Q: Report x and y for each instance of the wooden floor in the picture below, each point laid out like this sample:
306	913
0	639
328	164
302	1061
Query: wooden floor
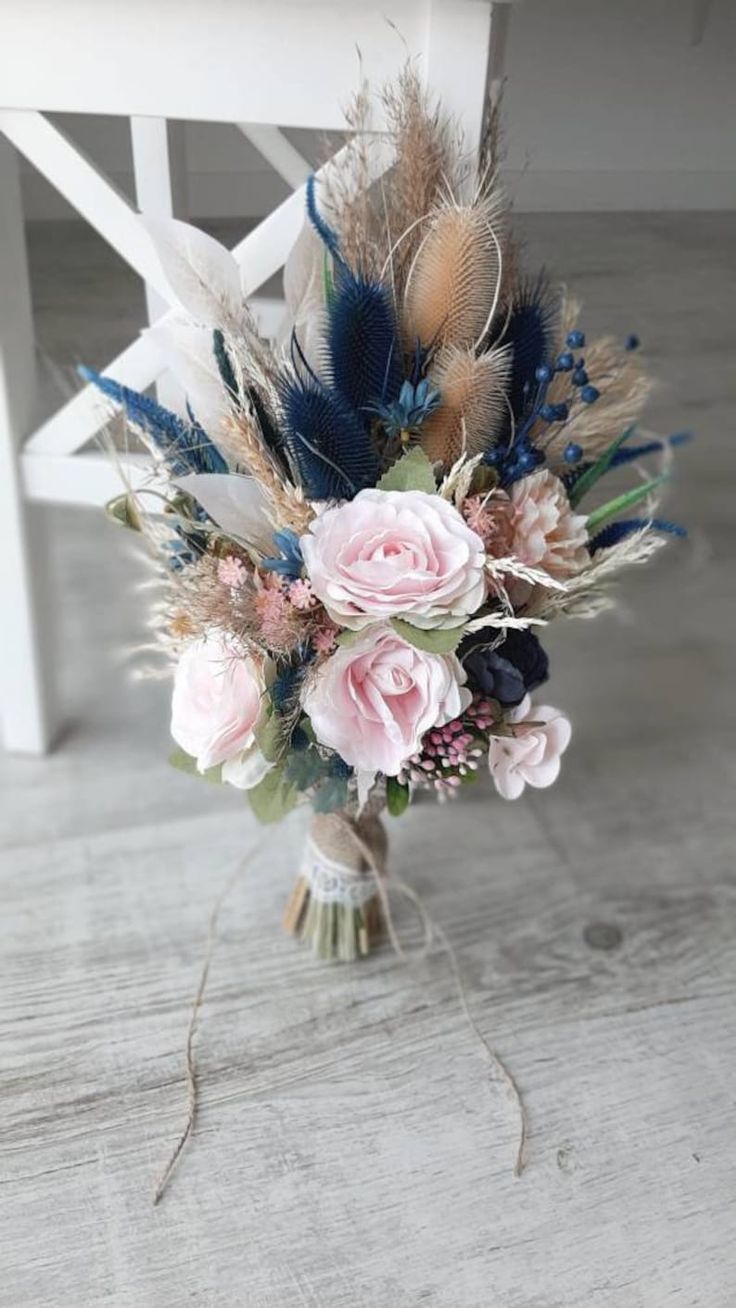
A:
351	1148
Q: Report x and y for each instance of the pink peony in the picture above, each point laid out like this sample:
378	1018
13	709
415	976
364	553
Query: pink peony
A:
547	534
532	755
395	554
373	700
216	707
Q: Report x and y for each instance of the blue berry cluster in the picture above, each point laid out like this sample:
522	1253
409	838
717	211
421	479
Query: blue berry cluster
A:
522	456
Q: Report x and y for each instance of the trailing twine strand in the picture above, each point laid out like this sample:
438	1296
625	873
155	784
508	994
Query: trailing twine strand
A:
191	1071
430	931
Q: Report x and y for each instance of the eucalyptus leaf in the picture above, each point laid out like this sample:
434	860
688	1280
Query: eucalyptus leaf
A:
435	640
272	737
122	510
273	797
413	471
622	503
348	637
185	763
305	768
331	795
397	797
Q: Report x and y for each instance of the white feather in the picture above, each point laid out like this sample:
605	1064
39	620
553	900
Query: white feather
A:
237	505
187	350
202	274
304	295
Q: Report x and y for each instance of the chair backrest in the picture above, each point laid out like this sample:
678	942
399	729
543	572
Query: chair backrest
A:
261	64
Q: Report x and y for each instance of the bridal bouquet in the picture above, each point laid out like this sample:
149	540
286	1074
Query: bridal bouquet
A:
364	527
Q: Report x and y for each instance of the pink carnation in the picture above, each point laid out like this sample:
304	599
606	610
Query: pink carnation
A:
546	532
531	757
372	701
395	554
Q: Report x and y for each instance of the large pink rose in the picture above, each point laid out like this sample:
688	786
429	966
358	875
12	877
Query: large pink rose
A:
372	701
395	554
216	707
531	757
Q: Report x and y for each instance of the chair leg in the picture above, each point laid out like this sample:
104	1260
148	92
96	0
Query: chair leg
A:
26	712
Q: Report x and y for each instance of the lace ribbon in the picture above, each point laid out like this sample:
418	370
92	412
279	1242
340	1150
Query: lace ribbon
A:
332	882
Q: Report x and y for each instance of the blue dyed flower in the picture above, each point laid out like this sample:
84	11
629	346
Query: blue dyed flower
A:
510	671
410	410
289	562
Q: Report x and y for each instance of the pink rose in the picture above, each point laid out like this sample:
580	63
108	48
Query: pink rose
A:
372	701
216	707
395	554
546	532
532	755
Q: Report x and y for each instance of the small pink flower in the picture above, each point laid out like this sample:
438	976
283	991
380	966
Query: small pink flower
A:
492	517
216	707
231	571
546	532
275	615
373	700
323	639
391	554
532	755
300	596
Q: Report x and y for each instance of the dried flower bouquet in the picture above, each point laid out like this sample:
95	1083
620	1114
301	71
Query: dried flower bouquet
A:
365	527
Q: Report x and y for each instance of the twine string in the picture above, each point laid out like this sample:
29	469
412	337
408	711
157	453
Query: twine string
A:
430	931
190	1064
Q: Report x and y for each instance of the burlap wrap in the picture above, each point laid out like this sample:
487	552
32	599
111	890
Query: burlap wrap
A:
335	863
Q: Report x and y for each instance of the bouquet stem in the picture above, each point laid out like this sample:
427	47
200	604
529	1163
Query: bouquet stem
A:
335	905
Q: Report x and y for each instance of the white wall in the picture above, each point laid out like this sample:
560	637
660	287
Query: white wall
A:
609	105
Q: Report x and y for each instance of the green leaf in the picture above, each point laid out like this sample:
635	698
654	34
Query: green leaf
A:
333	794
328	284
622	502
413	471
304	768
397	797
348	637
273	737
436	640
273	797
185	763
596	471
123	511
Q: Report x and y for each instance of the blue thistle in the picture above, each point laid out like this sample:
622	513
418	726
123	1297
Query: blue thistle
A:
184	445
618	531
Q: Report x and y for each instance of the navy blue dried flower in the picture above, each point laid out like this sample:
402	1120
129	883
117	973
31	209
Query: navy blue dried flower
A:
510	671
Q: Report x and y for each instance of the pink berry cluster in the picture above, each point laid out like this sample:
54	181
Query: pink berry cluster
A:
452	753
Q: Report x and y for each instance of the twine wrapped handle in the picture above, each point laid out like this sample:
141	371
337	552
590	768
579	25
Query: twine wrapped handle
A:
335	905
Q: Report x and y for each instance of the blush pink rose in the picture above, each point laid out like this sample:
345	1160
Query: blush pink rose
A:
531	757
395	554
546	533
216	707
372	701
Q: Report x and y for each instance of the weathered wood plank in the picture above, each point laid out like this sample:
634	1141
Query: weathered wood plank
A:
352	1148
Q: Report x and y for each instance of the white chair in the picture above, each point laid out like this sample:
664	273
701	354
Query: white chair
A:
256	63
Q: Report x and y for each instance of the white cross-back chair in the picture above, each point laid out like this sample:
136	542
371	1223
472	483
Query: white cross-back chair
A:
262	64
